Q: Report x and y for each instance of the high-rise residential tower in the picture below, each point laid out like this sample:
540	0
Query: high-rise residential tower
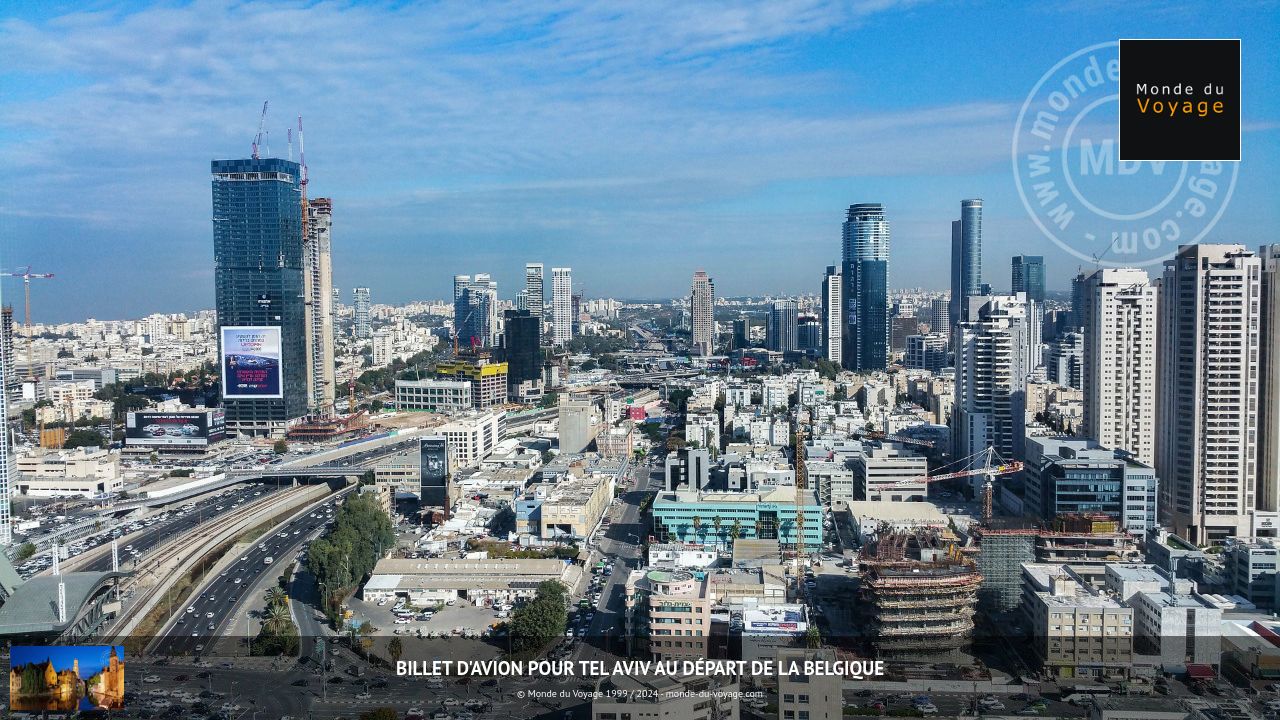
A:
317	287
9	371
534	289
1119	369
360	299
995	353
832	325
702	309
966	259
258	283
865	268
1028	277
7	465
1207	391
475	310
562	305
1269	389
782	333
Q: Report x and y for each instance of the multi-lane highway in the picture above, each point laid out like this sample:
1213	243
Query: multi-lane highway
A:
209	615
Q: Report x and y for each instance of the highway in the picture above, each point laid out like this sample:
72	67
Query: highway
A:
207	616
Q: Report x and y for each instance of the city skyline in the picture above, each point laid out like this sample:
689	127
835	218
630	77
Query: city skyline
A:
480	192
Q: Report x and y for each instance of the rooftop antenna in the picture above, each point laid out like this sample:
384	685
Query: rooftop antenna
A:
262	122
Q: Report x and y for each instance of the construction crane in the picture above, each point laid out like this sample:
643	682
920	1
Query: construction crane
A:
802	487
262	124
992	466
27	276
877	435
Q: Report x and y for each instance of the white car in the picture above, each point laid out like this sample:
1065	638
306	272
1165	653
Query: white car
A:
151	679
238	581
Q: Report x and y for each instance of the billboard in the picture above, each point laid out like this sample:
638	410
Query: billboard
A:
177	429
434	458
65	679
251	363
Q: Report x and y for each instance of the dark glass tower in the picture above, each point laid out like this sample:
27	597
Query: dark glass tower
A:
521	333
257	254
966	259
1028	277
865	269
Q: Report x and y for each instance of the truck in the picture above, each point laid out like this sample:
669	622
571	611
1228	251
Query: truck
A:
268	560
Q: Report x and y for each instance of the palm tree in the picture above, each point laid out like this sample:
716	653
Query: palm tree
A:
735	530
395	649
275	596
716	521
697	526
277	618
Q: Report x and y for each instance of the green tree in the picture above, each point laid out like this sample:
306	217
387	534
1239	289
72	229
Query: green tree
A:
541	620
83	437
549	400
697	525
277	618
735	530
281	447
717	522
395	649
275	596
375	405
361	533
25	551
381	713
813	637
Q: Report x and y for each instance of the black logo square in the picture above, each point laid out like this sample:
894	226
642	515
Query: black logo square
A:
1180	100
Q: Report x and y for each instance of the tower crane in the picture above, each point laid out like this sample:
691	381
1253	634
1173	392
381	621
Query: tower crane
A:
262	124
27	276
992	467
802	488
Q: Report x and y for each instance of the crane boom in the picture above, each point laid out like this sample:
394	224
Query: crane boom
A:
1005	469
262	124
27	276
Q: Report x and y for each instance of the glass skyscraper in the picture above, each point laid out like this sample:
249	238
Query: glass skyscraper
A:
865	269
1028	277
966	259
258	277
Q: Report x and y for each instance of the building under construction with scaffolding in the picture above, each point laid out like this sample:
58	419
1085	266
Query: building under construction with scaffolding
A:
918	596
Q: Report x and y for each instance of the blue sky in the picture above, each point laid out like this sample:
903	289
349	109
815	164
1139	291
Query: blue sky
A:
635	142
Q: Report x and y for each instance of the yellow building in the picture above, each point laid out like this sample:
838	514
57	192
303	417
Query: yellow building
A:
488	379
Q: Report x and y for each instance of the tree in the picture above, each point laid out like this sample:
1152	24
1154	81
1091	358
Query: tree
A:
395	649
281	447
366	631
735	530
813	638
277	618
83	437
25	551
697	525
541	620
375	405
381	713
549	400
717	522
275	596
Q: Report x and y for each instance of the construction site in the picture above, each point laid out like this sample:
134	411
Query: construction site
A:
918	595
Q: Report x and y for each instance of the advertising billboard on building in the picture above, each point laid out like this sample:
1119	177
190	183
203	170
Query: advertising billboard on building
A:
434	456
177	429
251	363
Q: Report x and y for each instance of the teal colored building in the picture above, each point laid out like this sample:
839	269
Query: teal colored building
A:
716	518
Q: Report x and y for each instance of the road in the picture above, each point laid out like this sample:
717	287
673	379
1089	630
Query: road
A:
208	615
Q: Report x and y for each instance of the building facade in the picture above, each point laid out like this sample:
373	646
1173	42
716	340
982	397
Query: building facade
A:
535	293
1028	277
1119	354
1269	390
782	333
258	279
360	305
702	310
832	325
317	286
442	396
562	305
865	269
995	353
966	259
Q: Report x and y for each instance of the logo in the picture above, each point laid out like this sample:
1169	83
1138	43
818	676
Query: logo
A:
1180	100
1082	196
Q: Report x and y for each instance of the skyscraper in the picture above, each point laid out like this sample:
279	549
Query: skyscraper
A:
702	307
742	332
521	335
966	259
1118	373
782	331
865	267
1028	277
258	282
9	371
7	468
360	298
534	289
317	284
940	315
475	310
1269	390
995	352
1207	391
832	325
562	305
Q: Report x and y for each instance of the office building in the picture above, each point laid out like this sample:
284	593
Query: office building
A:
534	291
1077	631
1028	277
966	259
471	438
996	352
926	352
808	696
521	335
6	451
702	309
317	286
809	334
672	610
1118	315
865	268
360	299
832	325
689	515
1074	476
475	310
575	423
1207	391
782	333
742	333
889	471
442	396
258	283
488	379
1269	389
940	316
562	305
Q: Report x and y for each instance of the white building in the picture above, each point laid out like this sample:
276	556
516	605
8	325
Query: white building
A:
472	437
996	352
702	308
652	697
1077	631
384	348
680	555
808	697
774	393
703	427
1269	392
83	472
483	582
562	305
444	396
832	321
1206	446
1179	628
534	290
1119	370
360	298
890	471
317	287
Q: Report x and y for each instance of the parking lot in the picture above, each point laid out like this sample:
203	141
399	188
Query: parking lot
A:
462	619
